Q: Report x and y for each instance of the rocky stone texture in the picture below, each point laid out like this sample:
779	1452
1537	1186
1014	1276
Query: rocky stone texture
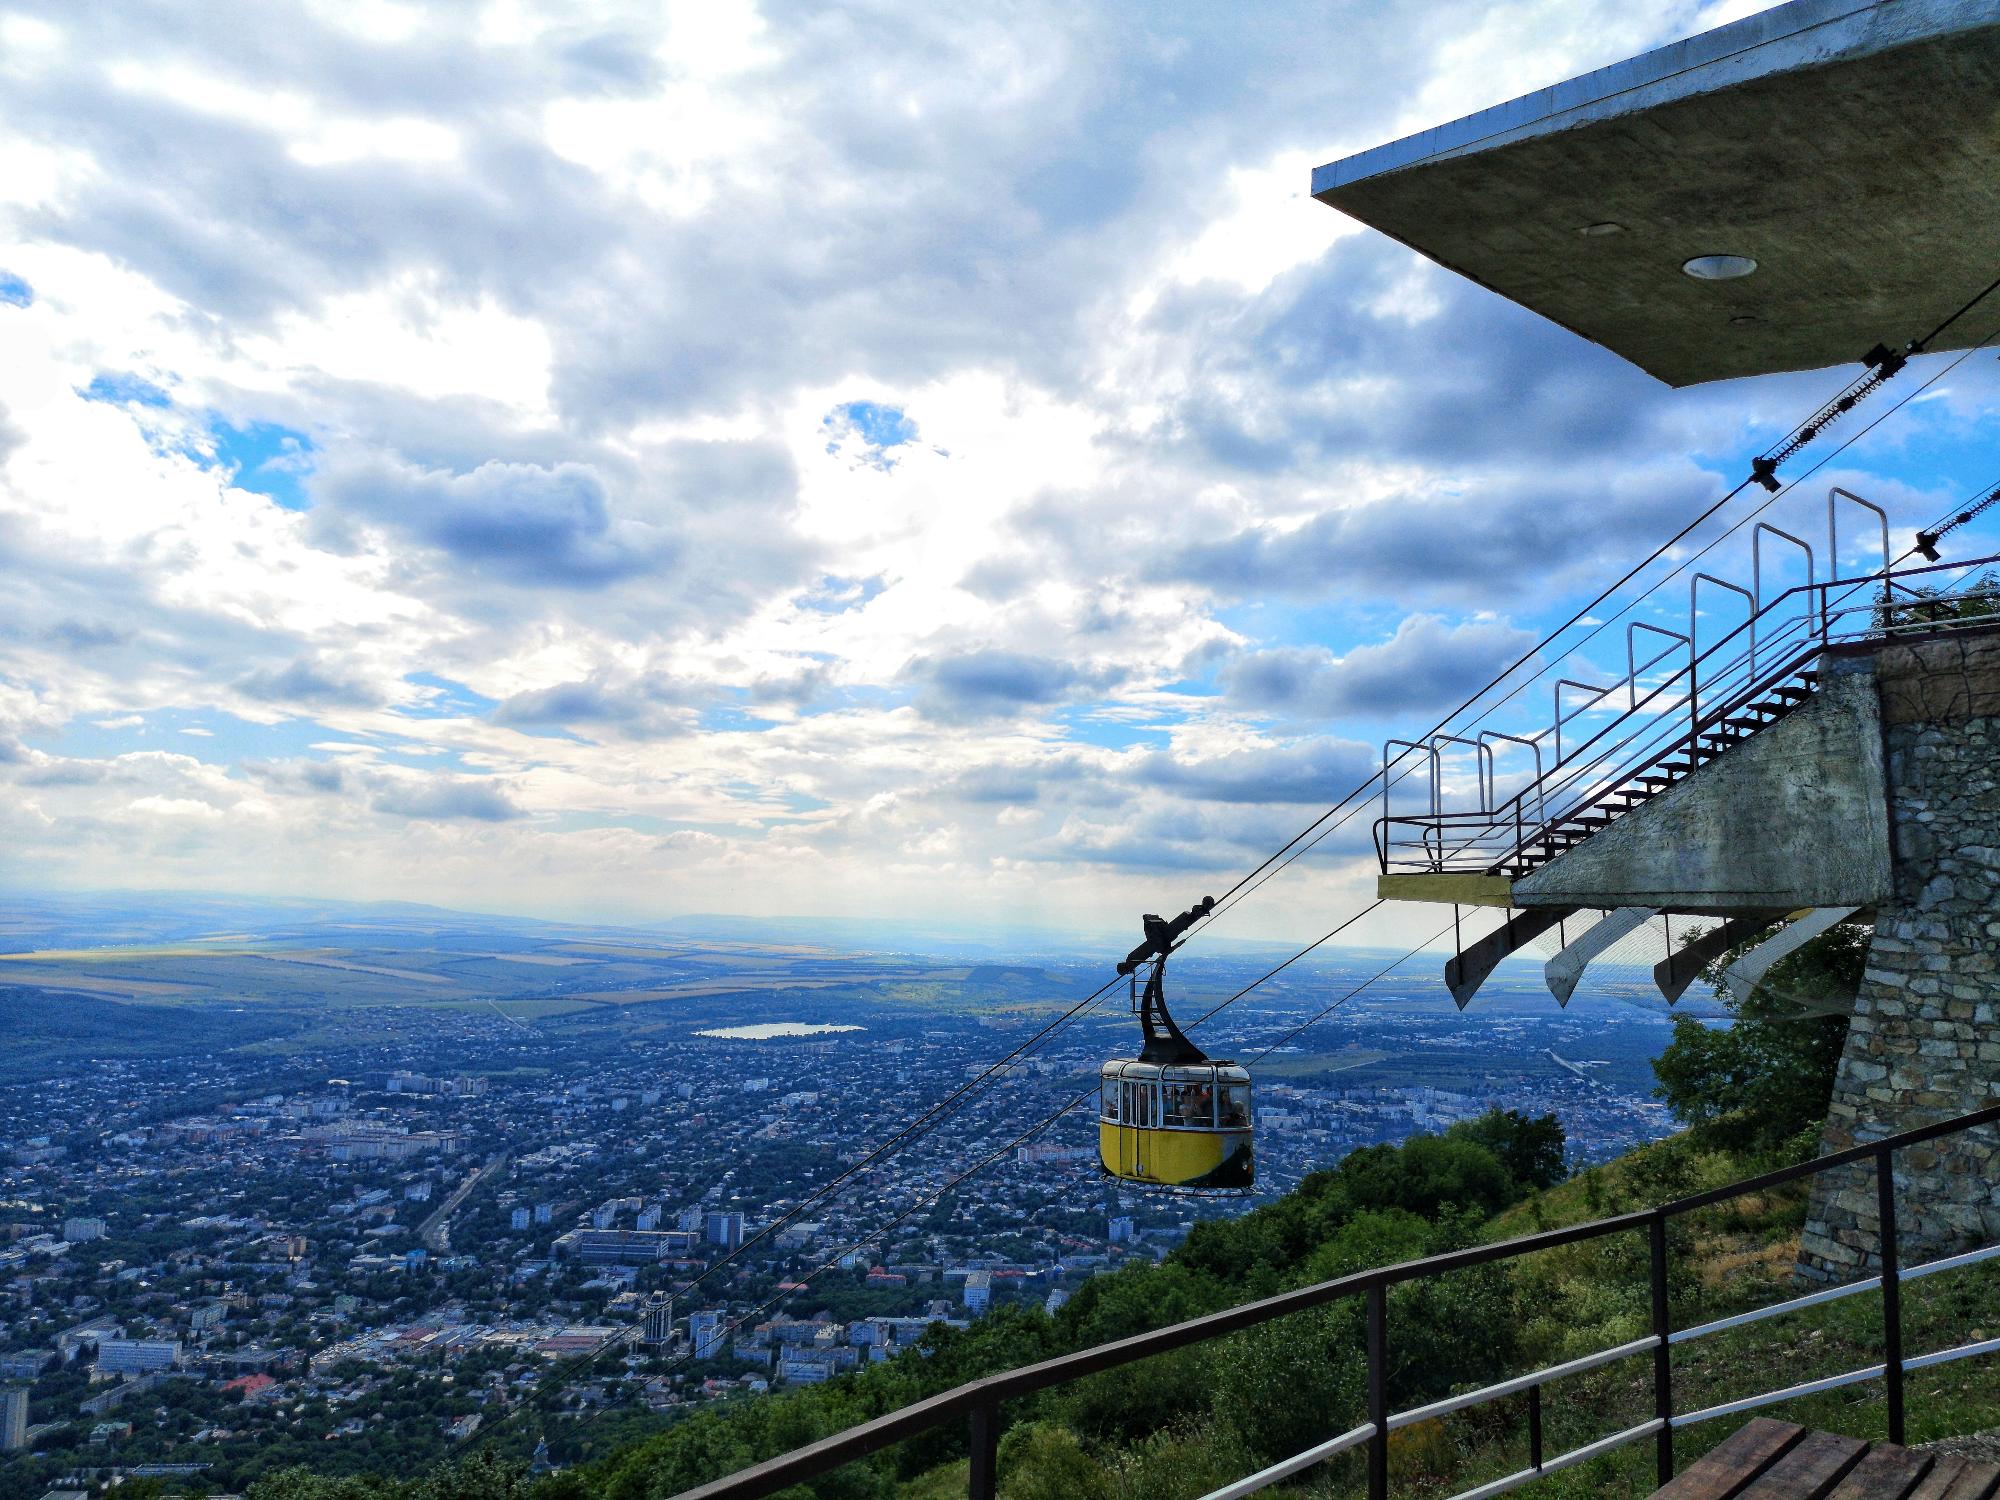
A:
1923	1045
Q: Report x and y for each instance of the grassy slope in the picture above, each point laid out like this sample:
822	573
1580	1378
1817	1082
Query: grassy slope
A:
1587	1297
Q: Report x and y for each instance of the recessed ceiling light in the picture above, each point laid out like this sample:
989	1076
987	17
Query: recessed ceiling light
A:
1593	231
1718	267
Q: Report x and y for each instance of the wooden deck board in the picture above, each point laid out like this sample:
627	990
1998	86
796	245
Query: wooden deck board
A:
1721	1473
1958	1479
1768	1460
1887	1473
1809	1471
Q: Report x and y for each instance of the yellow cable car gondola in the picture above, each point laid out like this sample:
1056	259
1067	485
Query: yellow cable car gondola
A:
1172	1116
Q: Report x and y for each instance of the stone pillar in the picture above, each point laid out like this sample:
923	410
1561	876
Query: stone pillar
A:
1923	1045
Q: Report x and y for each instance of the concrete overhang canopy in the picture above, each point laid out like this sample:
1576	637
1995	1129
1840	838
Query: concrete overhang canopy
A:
1851	150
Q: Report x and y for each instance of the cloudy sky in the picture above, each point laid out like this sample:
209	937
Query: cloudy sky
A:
874	459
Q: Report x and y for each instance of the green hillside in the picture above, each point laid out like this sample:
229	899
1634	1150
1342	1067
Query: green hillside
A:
1184	1423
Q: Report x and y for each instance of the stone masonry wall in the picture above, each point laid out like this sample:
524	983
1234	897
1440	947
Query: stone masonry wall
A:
1923	1044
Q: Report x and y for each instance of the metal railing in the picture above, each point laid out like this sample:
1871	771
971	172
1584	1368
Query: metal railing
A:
1690	708
978	1403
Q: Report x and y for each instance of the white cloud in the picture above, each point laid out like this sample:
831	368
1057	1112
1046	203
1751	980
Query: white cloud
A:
597	607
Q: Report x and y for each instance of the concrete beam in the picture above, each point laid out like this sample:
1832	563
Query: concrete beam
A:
1563	972
1741	977
1464	974
1679	969
1847	147
1795	816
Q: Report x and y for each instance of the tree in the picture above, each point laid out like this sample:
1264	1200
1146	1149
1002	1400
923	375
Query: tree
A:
1532	1150
1765	1080
1973	600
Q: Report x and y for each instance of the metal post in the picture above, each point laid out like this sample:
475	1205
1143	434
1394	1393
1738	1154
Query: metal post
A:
1892	1290
1378	1392
983	1479
1663	1365
1534	1427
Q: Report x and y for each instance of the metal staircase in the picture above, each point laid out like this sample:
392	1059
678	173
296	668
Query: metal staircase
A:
1671	713
1732	726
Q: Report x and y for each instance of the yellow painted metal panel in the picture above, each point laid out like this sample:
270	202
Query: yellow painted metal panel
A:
1176	1158
1464	890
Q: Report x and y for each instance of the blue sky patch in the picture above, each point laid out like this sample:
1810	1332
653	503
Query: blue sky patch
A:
445	699
1092	725
878	426
833	595
14	291
124	389
266	459
727	719
211	736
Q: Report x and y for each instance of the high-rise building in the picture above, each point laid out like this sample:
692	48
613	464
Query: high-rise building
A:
726	1229
978	1291
76	1231
14	1419
1121	1229
659	1327
707	1332
518	1219
544	1213
649	1218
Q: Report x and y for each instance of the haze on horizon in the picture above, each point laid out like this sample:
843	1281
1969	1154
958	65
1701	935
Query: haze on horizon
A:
608	462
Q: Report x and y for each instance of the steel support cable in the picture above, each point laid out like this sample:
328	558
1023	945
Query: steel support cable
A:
1944	526
1872	381
1341	813
1883	365
1040	1036
1299	845
931	1117
1276	864
882	1230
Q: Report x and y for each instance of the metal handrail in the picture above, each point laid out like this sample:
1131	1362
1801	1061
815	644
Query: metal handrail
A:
979	1401
1738	680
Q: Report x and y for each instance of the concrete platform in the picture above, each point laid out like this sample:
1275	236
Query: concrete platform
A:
1848	148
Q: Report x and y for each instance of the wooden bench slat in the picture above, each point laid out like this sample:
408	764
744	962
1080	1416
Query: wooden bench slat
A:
1722	1472
1887	1473
1818	1462
1956	1478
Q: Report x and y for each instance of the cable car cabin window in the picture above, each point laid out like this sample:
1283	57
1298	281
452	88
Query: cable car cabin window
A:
1108	1108
1191	1104
1141	1105
1235	1106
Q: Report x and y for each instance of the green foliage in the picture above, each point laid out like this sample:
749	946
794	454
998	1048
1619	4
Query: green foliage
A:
1292	1382
1135	1430
1765	1081
303	1484
1530	1149
479	1476
1043	1461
